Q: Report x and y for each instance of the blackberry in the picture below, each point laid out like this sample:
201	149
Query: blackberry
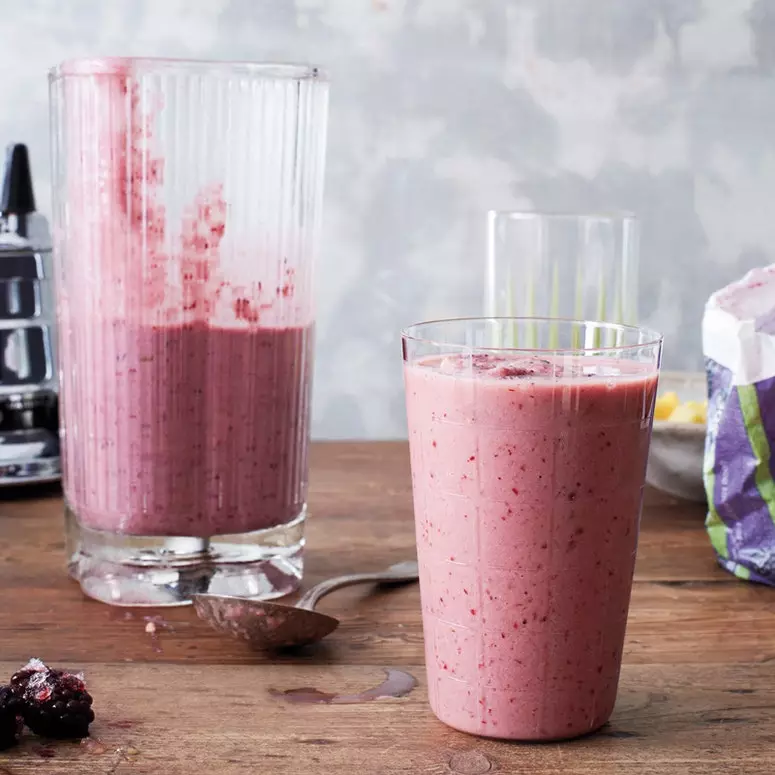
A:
11	722
54	703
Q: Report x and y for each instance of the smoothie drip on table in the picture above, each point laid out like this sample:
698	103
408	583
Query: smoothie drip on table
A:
527	479
194	374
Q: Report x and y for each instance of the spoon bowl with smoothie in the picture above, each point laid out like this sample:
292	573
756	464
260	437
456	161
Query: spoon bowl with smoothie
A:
269	626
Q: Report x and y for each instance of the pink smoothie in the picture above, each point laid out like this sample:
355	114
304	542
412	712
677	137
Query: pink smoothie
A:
528	478
190	431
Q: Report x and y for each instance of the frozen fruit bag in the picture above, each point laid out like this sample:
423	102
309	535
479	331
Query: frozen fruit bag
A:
738	340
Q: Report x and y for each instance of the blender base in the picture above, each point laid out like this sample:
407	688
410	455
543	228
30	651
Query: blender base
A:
159	571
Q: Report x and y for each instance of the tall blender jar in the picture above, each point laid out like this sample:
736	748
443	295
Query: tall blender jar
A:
187	200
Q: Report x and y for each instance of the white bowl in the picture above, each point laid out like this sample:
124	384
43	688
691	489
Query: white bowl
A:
678	448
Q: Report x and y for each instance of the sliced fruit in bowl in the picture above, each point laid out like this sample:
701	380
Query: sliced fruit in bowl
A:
678	439
670	407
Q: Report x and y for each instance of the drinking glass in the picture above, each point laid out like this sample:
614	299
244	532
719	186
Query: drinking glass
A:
528	467
187	202
579	266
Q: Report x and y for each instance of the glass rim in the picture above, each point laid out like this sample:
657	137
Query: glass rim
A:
653	338
564	215
107	66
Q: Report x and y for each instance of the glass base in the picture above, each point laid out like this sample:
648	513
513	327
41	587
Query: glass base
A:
127	570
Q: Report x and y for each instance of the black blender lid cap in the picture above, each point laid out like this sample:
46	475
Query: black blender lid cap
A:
17	196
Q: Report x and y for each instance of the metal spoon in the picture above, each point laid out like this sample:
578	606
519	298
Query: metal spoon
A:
267	625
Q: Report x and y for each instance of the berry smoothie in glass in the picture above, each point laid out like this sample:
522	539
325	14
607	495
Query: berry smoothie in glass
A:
529	440
186	211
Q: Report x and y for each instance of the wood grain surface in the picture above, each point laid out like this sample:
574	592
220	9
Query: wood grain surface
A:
697	693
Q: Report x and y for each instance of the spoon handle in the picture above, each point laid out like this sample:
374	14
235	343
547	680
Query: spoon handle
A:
310	599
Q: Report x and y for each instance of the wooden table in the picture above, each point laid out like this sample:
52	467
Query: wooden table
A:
697	693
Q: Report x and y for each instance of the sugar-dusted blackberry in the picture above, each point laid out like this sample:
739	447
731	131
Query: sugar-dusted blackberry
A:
54	703
11	722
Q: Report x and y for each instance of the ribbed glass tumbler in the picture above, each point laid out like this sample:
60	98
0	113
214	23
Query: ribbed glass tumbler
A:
187	201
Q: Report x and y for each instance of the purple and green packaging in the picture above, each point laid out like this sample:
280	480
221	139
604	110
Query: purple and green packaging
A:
738	333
